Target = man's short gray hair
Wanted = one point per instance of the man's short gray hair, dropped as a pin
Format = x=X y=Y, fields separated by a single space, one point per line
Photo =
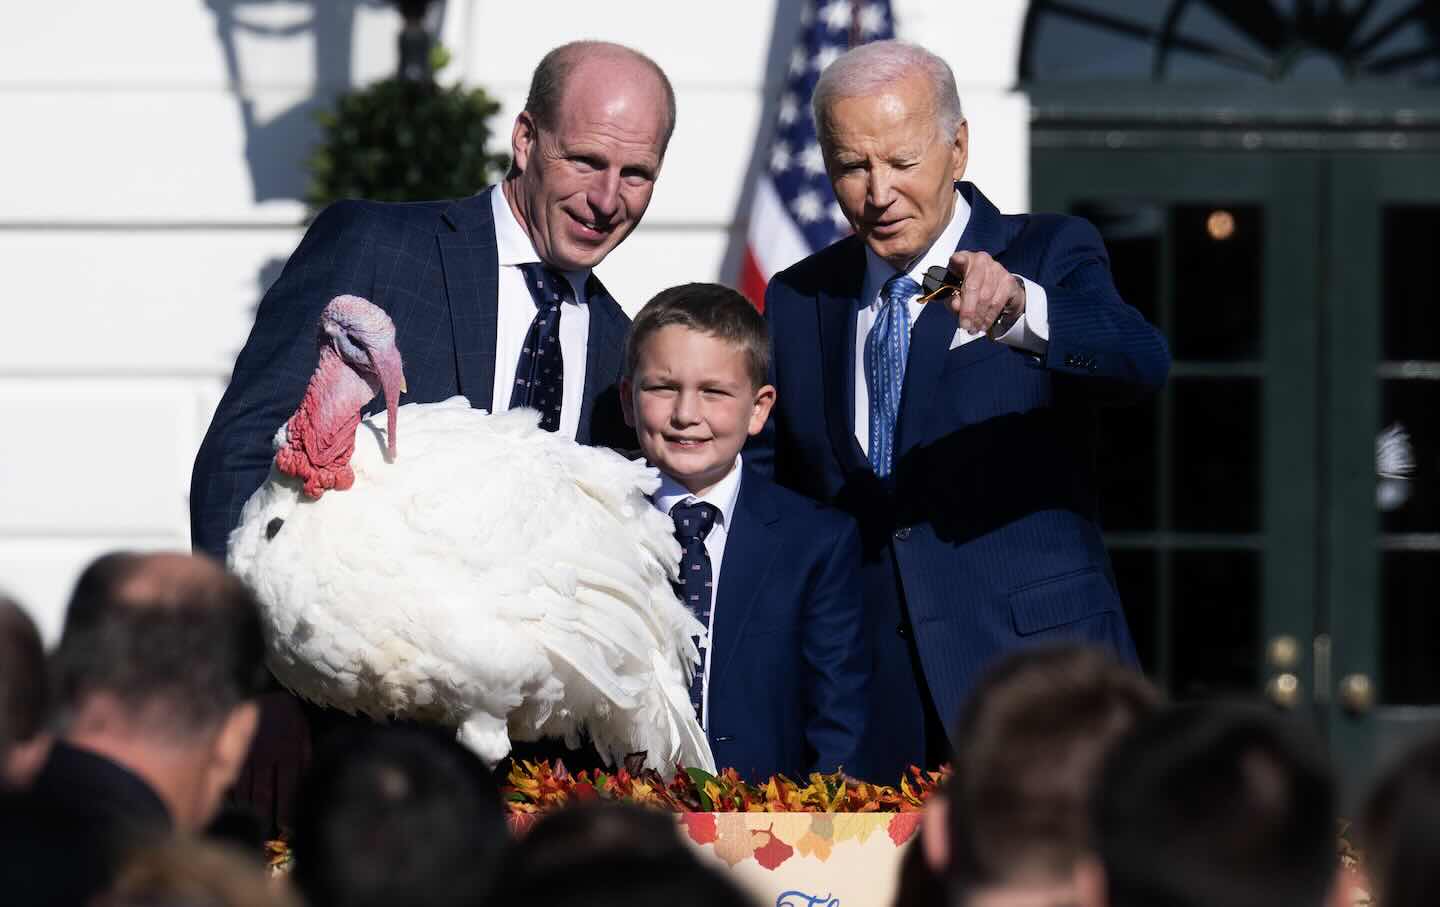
x=869 y=68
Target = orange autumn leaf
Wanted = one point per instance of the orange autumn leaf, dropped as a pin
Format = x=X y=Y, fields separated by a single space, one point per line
x=812 y=844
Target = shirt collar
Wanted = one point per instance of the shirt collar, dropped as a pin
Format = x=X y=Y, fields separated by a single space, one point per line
x=722 y=497
x=878 y=270
x=513 y=246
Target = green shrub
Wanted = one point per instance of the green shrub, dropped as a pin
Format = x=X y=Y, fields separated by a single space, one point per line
x=397 y=140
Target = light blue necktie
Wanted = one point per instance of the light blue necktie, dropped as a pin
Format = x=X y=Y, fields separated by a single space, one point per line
x=886 y=349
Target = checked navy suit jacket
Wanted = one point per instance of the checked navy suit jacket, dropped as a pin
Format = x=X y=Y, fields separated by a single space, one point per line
x=986 y=537
x=432 y=266
x=791 y=660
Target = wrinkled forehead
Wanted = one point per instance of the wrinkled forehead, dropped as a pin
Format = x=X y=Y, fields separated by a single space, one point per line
x=910 y=98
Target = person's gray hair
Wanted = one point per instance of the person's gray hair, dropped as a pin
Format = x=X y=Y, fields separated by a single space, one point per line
x=547 y=84
x=869 y=68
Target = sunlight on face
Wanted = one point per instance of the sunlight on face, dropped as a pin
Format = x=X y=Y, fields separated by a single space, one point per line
x=692 y=404
x=585 y=184
x=892 y=170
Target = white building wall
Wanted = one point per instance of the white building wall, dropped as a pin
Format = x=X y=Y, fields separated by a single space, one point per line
x=150 y=163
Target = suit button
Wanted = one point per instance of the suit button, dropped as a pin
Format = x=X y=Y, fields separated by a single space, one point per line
x=902 y=533
x=725 y=738
x=902 y=631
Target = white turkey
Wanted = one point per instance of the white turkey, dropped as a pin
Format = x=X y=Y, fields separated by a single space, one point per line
x=495 y=577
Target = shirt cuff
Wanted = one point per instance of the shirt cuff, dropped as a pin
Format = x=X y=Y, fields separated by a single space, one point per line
x=1031 y=331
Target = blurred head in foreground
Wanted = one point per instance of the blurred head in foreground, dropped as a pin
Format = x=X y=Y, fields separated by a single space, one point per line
x=1400 y=829
x=24 y=698
x=157 y=669
x=1215 y=805
x=612 y=855
x=392 y=816
x=1032 y=738
x=187 y=872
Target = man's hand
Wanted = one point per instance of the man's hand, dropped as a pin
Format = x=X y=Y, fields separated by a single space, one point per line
x=988 y=292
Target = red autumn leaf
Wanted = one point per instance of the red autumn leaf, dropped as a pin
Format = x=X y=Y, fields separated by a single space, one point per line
x=773 y=853
x=700 y=827
x=583 y=792
x=903 y=826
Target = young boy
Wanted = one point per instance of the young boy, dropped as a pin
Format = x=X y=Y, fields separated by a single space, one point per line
x=782 y=685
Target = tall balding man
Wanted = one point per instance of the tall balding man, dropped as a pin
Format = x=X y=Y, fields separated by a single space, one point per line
x=472 y=285
x=959 y=432
x=155 y=677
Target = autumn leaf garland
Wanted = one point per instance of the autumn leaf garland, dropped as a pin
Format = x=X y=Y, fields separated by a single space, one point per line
x=534 y=787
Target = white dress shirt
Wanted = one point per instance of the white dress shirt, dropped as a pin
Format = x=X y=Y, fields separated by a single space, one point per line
x=1031 y=331
x=722 y=497
x=515 y=309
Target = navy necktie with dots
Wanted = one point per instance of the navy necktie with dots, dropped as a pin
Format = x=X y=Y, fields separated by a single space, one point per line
x=540 y=374
x=693 y=521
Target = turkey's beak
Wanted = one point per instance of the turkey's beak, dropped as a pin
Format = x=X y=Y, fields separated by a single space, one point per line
x=390 y=371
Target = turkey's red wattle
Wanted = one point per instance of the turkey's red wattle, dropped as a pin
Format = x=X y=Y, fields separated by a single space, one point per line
x=320 y=437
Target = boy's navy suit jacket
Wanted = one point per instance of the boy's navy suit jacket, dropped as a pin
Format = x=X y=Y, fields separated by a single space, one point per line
x=791 y=660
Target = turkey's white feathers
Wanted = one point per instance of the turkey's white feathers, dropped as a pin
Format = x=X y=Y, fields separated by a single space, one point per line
x=494 y=577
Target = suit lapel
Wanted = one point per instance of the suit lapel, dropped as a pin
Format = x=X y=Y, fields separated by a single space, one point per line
x=935 y=328
x=835 y=311
x=472 y=284
x=604 y=349
x=751 y=548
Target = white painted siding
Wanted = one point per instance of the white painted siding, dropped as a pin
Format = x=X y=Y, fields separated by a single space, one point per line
x=149 y=167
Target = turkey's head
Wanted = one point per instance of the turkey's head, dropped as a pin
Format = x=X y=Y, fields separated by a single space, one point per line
x=358 y=360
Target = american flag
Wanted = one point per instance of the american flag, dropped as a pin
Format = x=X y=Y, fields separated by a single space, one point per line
x=794 y=212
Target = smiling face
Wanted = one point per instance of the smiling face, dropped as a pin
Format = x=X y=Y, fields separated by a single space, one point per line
x=581 y=186
x=892 y=170
x=692 y=403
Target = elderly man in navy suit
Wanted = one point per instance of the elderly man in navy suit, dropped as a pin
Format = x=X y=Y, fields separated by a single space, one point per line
x=957 y=429
x=471 y=284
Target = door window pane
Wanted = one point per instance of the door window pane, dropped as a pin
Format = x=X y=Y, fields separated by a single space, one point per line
x=1410 y=425
x=1216 y=623
x=1128 y=458
x=1135 y=579
x=1132 y=235
x=1409 y=628
x=1218 y=282
x=1410 y=276
x=1216 y=477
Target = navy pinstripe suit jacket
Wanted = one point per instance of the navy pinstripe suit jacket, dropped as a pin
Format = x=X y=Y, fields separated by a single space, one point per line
x=986 y=537
x=433 y=267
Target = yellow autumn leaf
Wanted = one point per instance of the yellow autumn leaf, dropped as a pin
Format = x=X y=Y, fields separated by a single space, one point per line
x=812 y=844
x=791 y=827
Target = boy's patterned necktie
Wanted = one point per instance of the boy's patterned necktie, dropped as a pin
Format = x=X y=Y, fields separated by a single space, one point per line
x=886 y=350
x=693 y=521
x=540 y=374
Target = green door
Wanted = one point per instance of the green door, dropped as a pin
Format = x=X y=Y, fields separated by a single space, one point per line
x=1242 y=507
x=1383 y=350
